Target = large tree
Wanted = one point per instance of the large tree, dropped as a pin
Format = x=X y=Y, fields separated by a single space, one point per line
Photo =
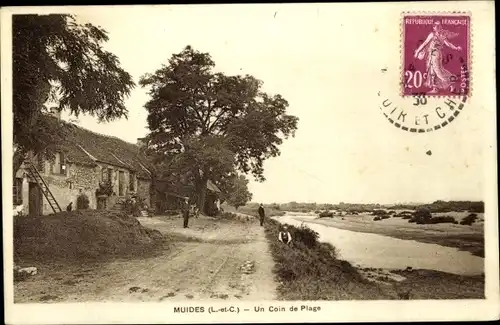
x=56 y=58
x=238 y=194
x=227 y=122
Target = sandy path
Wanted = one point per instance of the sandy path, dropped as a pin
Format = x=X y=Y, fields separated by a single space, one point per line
x=201 y=262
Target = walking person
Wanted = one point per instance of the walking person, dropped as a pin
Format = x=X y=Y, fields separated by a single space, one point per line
x=262 y=214
x=185 y=211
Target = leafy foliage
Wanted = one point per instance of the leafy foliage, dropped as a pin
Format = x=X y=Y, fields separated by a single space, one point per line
x=56 y=58
x=447 y=206
x=326 y=214
x=134 y=206
x=105 y=188
x=469 y=220
x=442 y=219
x=214 y=124
x=422 y=216
x=305 y=235
x=82 y=201
x=238 y=194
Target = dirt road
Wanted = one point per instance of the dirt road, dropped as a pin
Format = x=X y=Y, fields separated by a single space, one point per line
x=202 y=262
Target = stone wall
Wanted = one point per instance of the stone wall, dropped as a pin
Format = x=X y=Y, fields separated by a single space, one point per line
x=66 y=188
x=82 y=179
x=144 y=190
x=115 y=183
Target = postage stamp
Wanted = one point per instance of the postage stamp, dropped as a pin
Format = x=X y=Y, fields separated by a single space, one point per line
x=436 y=55
x=435 y=71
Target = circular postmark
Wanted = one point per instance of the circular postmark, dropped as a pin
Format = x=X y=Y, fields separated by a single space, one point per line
x=422 y=112
x=435 y=72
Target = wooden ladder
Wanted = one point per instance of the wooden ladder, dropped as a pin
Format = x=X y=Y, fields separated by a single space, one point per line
x=33 y=171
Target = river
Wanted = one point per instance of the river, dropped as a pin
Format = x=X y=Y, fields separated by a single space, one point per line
x=377 y=251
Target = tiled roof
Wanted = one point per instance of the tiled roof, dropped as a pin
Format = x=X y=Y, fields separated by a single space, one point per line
x=82 y=146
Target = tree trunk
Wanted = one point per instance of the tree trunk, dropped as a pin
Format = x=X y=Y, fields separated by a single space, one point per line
x=202 y=193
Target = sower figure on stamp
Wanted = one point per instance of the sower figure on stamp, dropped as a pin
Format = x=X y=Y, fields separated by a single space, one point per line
x=185 y=211
x=262 y=214
x=284 y=236
x=437 y=77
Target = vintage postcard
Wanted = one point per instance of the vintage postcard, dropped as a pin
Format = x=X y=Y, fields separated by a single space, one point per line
x=250 y=163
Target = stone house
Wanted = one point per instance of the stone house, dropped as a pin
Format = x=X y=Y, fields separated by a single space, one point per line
x=106 y=169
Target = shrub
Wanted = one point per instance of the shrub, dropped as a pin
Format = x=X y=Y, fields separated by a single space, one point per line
x=326 y=214
x=469 y=220
x=317 y=212
x=379 y=212
x=134 y=206
x=105 y=188
x=377 y=218
x=82 y=201
x=422 y=216
x=477 y=207
x=405 y=214
x=385 y=216
x=305 y=235
x=442 y=219
x=412 y=220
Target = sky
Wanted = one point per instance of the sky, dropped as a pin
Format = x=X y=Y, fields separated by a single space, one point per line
x=327 y=63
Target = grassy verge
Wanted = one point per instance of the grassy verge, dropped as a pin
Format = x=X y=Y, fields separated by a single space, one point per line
x=310 y=270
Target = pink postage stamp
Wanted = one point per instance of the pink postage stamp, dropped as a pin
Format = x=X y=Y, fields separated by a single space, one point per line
x=436 y=54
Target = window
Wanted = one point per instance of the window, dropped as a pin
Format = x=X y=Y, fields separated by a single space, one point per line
x=104 y=175
x=59 y=166
x=18 y=191
x=131 y=185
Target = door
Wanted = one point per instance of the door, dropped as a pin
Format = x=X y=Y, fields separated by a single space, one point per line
x=121 y=183
x=101 y=203
x=35 y=200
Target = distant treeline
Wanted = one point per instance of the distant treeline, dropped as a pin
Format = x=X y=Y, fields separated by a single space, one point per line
x=446 y=206
x=437 y=206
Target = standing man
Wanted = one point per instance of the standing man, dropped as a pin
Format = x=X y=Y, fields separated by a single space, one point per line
x=185 y=211
x=262 y=214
